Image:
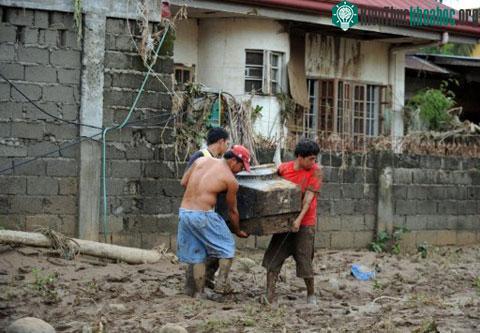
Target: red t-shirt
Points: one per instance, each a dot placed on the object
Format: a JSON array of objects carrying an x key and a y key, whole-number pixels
[{"x": 307, "y": 180}]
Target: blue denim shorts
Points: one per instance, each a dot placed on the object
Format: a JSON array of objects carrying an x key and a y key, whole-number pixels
[{"x": 203, "y": 234}]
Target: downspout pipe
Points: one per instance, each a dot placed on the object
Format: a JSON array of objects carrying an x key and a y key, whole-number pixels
[{"x": 397, "y": 116}]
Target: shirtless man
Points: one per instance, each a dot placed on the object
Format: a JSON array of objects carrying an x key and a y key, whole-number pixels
[{"x": 202, "y": 233}]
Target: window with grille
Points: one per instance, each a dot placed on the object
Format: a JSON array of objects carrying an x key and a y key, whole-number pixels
[
  {"x": 346, "y": 108},
  {"x": 372, "y": 112},
  {"x": 309, "y": 115},
  {"x": 325, "y": 121},
  {"x": 263, "y": 71}
]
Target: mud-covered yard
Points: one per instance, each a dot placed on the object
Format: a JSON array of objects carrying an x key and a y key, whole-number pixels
[{"x": 439, "y": 293}]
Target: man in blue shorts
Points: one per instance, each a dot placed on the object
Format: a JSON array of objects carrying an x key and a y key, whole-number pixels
[
  {"x": 202, "y": 233},
  {"x": 217, "y": 145}
]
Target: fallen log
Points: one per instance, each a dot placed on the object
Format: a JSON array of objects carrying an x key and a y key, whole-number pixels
[{"x": 127, "y": 254}]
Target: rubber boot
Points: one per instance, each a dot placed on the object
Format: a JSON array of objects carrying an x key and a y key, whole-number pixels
[
  {"x": 189, "y": 281},
  {"x": 211, "y": 269},
  {"x": 199, "y": 277},
  {"x": 223, "y": 285}
]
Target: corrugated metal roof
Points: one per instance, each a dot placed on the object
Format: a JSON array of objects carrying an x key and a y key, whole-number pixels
[{"x": 422, "y": 65}]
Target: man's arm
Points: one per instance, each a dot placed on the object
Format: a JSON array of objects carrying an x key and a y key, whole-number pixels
[
  {"x": 307, "y": 200},
  {"x": 231, "y": 199},
  {"x": 186, "y": 176}
]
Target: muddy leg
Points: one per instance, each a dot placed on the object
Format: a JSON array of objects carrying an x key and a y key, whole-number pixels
[
  {"x": 189, "y": 281},
  {"x": 309, "y": 283},
  {"x": 212, "y": 267},
  {"x": 199, "y": 277},
  {"x": 223, "y": 285},
  {"x": 271, "y": 281}
]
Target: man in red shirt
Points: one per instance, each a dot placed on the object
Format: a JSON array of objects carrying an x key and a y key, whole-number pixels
[{"x": 299, "y": 242}]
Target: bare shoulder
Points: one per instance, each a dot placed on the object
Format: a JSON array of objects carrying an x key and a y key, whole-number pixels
[{"x": 230, "y": 179}]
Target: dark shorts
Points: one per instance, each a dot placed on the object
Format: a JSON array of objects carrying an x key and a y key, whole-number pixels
[{"x": 300, "y": 245}]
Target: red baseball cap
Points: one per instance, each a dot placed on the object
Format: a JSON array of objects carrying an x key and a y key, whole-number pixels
[{"x": 242, "y": 153}]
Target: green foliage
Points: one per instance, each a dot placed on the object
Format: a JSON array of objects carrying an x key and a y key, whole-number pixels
[
  {"x": 380, "y": 244},
  {"x": 388, "y": 243},
  {"x": 378, "y": 286},
  {"x": 427, "y": 327},
  {"x": 423, "y": 249},
  {"x": 451, "y": 49},
  {"x": 476, "y": 284},
  {"x": 433, "y": 106},
  {"x": 256, "y": 113},
  {"x": 45, "y": 286}
]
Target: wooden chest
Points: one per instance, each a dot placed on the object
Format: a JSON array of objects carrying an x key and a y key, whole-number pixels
[{"x": 267, "y": 204}]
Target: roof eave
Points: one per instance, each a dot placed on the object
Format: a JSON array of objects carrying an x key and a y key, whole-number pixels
[{"x": 253, "y": 10}]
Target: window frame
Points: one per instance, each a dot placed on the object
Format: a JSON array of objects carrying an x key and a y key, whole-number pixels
[
  {"x": 183, "y": 68},
  {"x": 353, "y": 115},
  {"x": 267, "y": 82}
]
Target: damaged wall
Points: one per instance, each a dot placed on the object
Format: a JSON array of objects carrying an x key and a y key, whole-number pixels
[{"x": 349, "y": 59}]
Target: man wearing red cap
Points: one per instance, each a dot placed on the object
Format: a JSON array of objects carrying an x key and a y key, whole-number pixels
[{"x": 202, "y": 233}]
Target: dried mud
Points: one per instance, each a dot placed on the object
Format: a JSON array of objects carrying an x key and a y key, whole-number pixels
[{"x": 440, "y": 293}]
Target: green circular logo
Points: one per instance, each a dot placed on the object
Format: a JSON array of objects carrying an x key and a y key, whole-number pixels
[{"x": 344, "y": 15}]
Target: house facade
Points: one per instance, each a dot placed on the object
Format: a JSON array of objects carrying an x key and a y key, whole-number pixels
[
  {"x": 58, "y": 95},
  {"x": 351, "y": 83}
]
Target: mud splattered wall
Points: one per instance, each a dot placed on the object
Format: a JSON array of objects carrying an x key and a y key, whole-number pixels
[{"x": 349, "y": 59}]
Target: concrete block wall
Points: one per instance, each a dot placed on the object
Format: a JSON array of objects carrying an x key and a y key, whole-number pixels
[
  {"x": 38, "y": 53},
  {"x": 347, "y": 202},
  {"x": 143, "y": 187},
  {"x": 437, "y": 199}
]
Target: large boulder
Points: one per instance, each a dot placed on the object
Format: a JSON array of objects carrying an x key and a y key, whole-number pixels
[{"x": 30, "y": 325}]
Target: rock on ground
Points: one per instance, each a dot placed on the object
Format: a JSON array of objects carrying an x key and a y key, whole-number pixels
[{"x": 30, "y": 325}]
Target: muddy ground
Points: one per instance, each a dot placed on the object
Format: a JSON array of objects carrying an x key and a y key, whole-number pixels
[{"x": 440, "y": 293}]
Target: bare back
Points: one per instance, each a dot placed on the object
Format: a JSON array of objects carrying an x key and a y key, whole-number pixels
[{"x": 204, "y": 180}]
